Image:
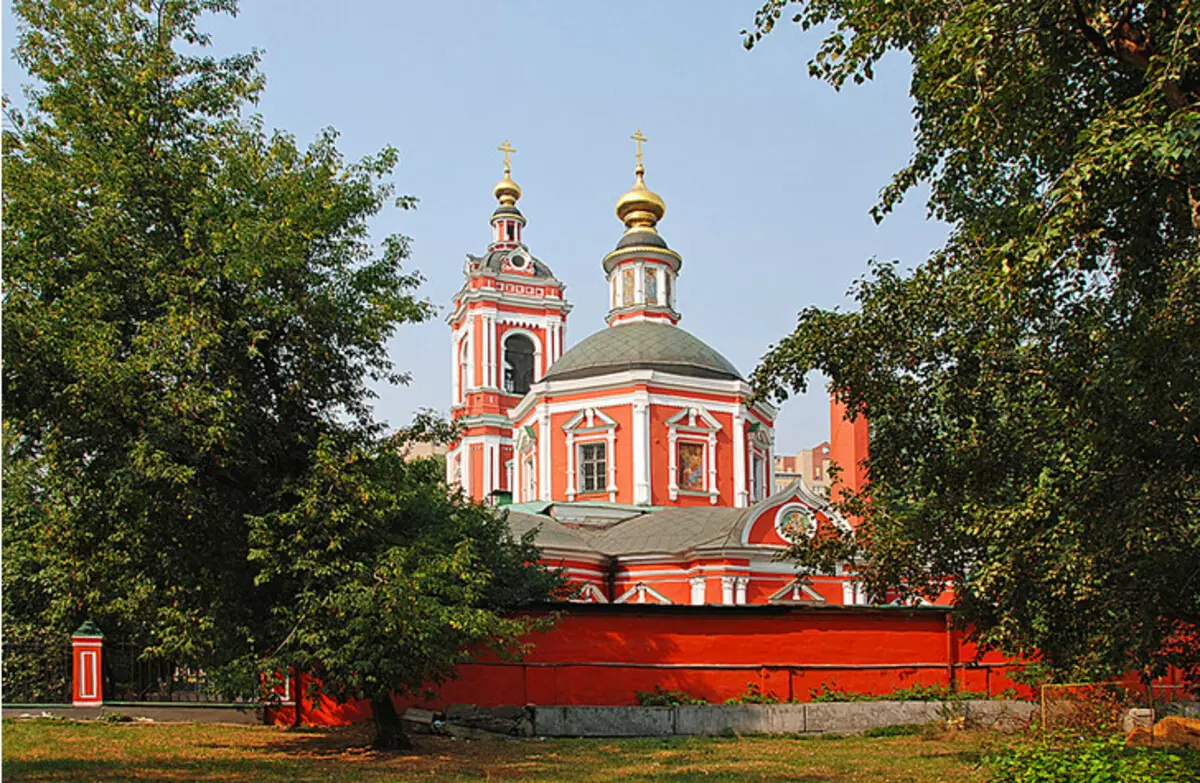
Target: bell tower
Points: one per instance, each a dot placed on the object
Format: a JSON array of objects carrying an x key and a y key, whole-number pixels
[
  {"x": 506, "y": 329},
  {"x": 642, "y": 270}
]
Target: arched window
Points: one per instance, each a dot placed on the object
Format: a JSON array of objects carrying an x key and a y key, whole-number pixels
[
  {"x": 518, "y": 364},
  {"x": 464, "y": 368}
]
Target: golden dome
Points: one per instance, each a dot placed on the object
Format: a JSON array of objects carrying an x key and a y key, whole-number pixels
[
  {"x": 507, "y": 191},
  {"x": 641, "y": 207}
]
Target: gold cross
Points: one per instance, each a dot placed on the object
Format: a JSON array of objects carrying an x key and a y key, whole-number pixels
[
  {"x": 639, "y": 138},
  {"x": 506, "y": 148}
]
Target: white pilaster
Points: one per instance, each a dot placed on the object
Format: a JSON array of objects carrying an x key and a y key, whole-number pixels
[
  {"x": 727, "y": 585},
  {"x": 543, "y": 448},
  {"x": 466, "y": 469},
  {"x": 641, "y": 450},
  {"x": 713, "y": 492},
  {"x": 740, "y": 590},
  {"x": 612, "y": 465},
  {"x": 698, "y": 584},
  {"x": 570, "y": 466},
  {"x": 740, "y": 495}
]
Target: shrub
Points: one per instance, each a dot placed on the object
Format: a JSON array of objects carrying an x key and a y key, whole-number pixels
[
  {"x": 1105, "y": 760},
  {"x": 754, "y": 695},
  {"x": 662, "y": 698},
  {"x": 827, "y": 692}
]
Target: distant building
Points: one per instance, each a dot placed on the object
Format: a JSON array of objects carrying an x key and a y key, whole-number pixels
[
  {"x": 809, "y": 465},
  {"x": 422, "y": 449}
]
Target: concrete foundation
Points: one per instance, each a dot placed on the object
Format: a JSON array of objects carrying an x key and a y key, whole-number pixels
[{"x": 809, "y": 718}]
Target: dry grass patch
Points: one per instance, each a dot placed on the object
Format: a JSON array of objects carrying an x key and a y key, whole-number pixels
[{"x": 47, "y": 750}]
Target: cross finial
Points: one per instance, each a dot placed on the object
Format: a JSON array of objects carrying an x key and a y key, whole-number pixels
[
  {"x": 507, "y": 149},
  {"x": 639, "y": 138}
]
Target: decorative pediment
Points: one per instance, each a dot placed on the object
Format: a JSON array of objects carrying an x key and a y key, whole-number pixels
[
  {"x": 796, "y": 593},
  {"x": 526, "y": 439},
  {"x": 589, "y": 419},
  {"x": 695, "y": 420},
  {"x": 642, "y": 593},
  {"x": 590, "y": 594},
  {"x": 796, "y": 500}
]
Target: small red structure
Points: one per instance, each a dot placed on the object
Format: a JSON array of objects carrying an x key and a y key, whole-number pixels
[{"x": 87, "y": 657}]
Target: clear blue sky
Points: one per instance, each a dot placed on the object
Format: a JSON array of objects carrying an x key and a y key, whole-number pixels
[{"x": 768, "y": 175}]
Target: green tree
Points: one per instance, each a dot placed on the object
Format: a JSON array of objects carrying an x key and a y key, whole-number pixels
[
  {"x": 387, "y": 581},
  {"x": 193, "y": 312},
  {"x": 1032, "y": 387}
]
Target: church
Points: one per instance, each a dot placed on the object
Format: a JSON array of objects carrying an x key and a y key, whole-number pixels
[{"x": 639, "y": 456}]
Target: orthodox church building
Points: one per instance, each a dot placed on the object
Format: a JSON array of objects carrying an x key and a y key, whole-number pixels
[{"x": 639, "y": 455}]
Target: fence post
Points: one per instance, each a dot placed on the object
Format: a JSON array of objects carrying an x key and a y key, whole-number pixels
[{"x": 87, "y": 648}]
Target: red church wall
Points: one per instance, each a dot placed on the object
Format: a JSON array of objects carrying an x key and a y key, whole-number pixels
[
  {"x": 602, "y": 654},
  {"x": 847, "y": 447}
]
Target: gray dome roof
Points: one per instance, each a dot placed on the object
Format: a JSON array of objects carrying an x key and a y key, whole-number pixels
[
  {"x": 641, "y": 239},
  {"x": 642, "y": 345}
]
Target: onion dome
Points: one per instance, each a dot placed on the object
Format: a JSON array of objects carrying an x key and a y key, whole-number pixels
[
  {"x": 641, "y": 208},
  {"x": 506, "y": 191}
]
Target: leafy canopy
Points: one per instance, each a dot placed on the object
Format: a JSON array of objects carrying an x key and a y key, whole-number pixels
[
  {"x": 193, "y": 312},
  {"x": 1032, "y": 387}
]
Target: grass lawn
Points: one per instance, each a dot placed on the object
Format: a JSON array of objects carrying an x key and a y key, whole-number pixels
[{"x": 62, "y": 750}]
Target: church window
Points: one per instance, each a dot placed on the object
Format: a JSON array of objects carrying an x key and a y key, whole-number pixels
[
  {"x": 651, "y": 285},
  {"x": 518, "y": 364},
  {"x": 795, "y": 521},
  {"x": 757, "y": 477},
  {"x": 592, "y": 467},
  {"x": 627, "y": 284},
  {"x": 691, "y": 466},
  {"x": 464, "y": 368}
]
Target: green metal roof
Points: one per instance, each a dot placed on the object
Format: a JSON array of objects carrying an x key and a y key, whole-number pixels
[{"x": 642, "y": 345}]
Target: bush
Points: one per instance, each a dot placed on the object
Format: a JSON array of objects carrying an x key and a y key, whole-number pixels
[
  {"x": 661, "y": 698},
  {"x": 827, "y": 692},
  {"x": 1105, "y": 760},
  {"x": 754, "y": 695}
]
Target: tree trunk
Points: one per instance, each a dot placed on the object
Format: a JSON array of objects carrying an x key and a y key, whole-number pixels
[{"x": 389, "y": 733}]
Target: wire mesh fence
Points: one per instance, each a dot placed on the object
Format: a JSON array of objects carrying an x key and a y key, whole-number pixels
[{"x": 1097, "y": 708}]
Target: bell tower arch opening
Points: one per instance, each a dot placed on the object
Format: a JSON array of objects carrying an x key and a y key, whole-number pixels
[{"x": 519, "y": 354}]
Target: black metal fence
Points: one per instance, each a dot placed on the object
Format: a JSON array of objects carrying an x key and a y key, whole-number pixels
[
  {"x": 36, "y": 672},
  {"x": 130, "y": 676}
]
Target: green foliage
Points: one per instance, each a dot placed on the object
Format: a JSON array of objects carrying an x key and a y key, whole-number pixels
[
  {"x": 386, "y": 580},
  {"x": 897, "y": 730},
  {"x": 754, "y": 695},
  {"x": 829, "y": 692},
  {"x": 663, "y": 698},
  {"x": 1032, "y": 386},
  {"x": 1097, "y": 760},
  {"x": 193, "y": 313}
]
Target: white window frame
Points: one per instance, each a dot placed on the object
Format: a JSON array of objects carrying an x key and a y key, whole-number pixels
[
  {"x": 580, "y": 448},
  {"x": 587, "y": 426},
  {"x": 693, "y": 425},
  {"x": 466, "y": 368}
]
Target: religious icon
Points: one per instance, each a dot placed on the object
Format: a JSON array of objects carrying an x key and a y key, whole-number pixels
[
  {"x": 651, "y": 285},
  {"x": 691, "y": 466},
  {"x": 627, "y": 283}
]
